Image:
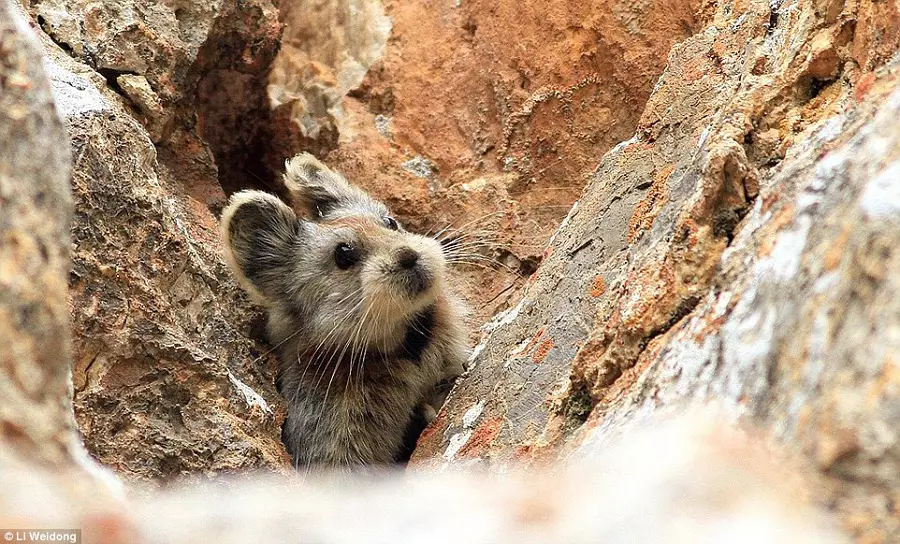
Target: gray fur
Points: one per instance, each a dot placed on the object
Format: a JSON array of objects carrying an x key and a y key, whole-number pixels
[{"x": 360, "y": 350}]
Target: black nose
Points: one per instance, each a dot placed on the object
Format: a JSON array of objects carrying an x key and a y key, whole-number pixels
[{"x": 407, "y": 258}]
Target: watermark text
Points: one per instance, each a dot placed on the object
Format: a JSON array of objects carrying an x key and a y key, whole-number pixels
[{"x": 28, "y": 536}]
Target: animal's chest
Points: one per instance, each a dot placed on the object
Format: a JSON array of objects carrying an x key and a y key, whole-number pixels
[
  {"x": 395, "y": 389},
  {"x": 372, "y": 421}
]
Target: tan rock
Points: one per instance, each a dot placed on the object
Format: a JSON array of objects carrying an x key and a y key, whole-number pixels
[
  {"x": 758, "y": 276},
  {"x": 167, "y": 379},
  {"x": 36, "y": 420},
  {"x": 156, "y": 120}
]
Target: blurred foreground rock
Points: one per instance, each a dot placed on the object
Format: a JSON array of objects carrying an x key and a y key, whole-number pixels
[
  {"x": 35, "y": 213},
  {"x": 710, "y": 486},
  {"x": 37, "y": 427}
]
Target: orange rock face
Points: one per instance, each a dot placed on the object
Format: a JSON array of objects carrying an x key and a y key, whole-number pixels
[{"x": 490, "y": 116}]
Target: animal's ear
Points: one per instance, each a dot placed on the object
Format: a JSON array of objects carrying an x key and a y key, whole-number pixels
[
  {"x": 317, "y": 190},
  {"x": 259, "y": 233}
]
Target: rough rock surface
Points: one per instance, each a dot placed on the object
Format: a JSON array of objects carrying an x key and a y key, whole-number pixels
[
  {"x": 326, "y": 51},
  {"x": 152, "y": 373},
  {"x": 738, "y": 249},
  {"x": 737, "y": 246},
  {"x": 481, "y": 145},
  {"x": 192, "y": 73},
  {"x": 166, "y": 378},
  {"x": 150, "y": 51}
]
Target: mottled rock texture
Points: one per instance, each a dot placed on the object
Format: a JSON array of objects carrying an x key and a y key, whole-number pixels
[
  {"x": 154, "y": 53},
  {"x": 740, "y": 248},
  {"x": 167, "y": 380}
]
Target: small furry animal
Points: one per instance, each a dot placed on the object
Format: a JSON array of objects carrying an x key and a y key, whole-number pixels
[{"x": 367, "y": 328}]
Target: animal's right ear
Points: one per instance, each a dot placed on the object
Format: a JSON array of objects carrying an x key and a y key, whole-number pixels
[{"x": 259, "y": 231}]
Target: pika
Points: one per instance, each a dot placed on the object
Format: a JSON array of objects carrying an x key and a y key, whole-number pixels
[{"x": 367, "y": 328}]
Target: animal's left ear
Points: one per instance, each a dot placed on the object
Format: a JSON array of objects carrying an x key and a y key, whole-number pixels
[{"x": 319, "y": 191}]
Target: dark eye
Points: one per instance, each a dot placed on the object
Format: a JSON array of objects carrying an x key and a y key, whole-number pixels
[
  {"x": 345, "y": 256},
  {"x": 391, "y": 223}
]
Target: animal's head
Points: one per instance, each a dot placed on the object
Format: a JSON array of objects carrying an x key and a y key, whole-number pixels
[{"x": 344, "y": 265}]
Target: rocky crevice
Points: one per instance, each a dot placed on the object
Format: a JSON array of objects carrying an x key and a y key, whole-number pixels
[
  {"x": 190, "y": 103},
  {"x": 733, "y": 245},
  {"x": 229, "y": 111}
]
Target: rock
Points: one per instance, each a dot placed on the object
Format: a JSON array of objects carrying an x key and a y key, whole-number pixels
[
  {"x": 198, "y": 79},
  {"x": 711, "y": 481},
  {"x": 524, "y": 98},
  {"x": 194, "y": 74},
  {"x": 138, "y": 90},
  {"x": 159, "y": 41},
  {"x": 37, "y": 426},
  {"x": 461, "y": 91},
  {"x": 226, "y": 104},
  {"x": 713, "y": 485},
  {"x": 158, "y": 393},
  {"x": 36, "y": 420},
  {"x": 325, "y": 53},
  {"x": 734, "y": 245},
  {"x": 735, "y": 250},
  {"x": 167, "y": 378}
]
